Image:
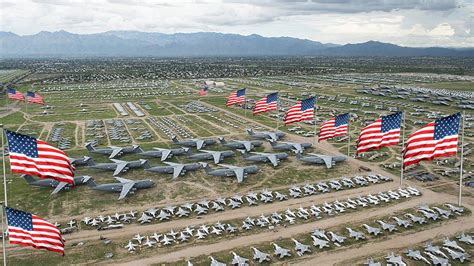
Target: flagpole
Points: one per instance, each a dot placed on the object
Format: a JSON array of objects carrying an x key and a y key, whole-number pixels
[
  {"x": 314, "y": 116},
  {"x": 5, "y": 196},
  {"x": 348, "y": 135},
  {"x": 278, "y": 114},
  {"x": 403, "y": 146},
  {"x": 462, "y": 158}
]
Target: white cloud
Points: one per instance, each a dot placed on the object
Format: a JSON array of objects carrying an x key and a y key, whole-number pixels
[{"x": 406, "y": 22}]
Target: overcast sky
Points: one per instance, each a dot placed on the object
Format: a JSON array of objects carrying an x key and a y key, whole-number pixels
[{"x": 404, "y": 22}]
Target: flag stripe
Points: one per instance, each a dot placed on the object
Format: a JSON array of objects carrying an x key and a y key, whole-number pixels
[{"x": 383, "y": 132}]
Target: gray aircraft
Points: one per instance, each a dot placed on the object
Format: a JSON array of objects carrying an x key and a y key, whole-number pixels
[
  {"x": 437, "y": 260},
  {"x": 164, "y": 154},
  {"x": 267, "y": 135},
  {"x": 238, "y": 260},
  {"x": 217, "y": 156},
  {"x": 313, "y": 158},
  {"x": 260, "y": 256},
  {"x": 416, "y": 255},
  {"x": 281, "y": 252},
  {"x": 273, "y": 158},
  {"x": 301, "y": 248},
  {"x": 247, "y": 145},
  {"x": 119, "y": 166},
  {"x": 395, "y": 260},
  {"x": 176, "y": 169},
  {"x": 113, "y": 151},
  {"x": 84, "y": 161},
  {"x": 290, "y": 146},
  {"x": 125, "y": 186},
  {"x": 357, "y": 235},
  {"x": 58, "y": 186},
  {"x": 240, "y": 172},
  {"x": 198, "y": 143}
]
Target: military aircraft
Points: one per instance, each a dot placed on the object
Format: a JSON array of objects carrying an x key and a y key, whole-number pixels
[
  {"x": 387, "y": 226},
  {"x": 240, "y": 172},
  {"x": 119, "y": 166},
  {"x": 372, "y": 230},
  {"x": 260, "y": 256},
  {"x": 215, "y": 262},
  {"x": 164, "y": 154},
  {"x": 371, "y": 262},
  {"x": 357, "y": 235},
  {"x": 267, "y": 135},
  {"x": 437, "y": 260},
  {"x": 313, "y": 158},
  {"x": 281, "y": 252},
  {"x": 452, "y": 244},
  {"x": 301, "y": 248},
  {"x": 198, "y": 143},
  {"x": 416, "y": 255},
  {"x": 76, "y": 162},
  {"x": 295, "y": 147},
  {"x": 217, "y": 156},
  {"x": 238, "y": 260},
  {"x": 320, "y": 243},
  {"x": 273, "y": 158},
  {"x": 131, "y": 246},
  {"x": 395, "y": 260},
  {"x": 241, "y": 144},
  {"x": 176, "y": 169},
  {"x": 457, "y": 255},
  {"x": 125, "y": 186},
  {"x": 113, "y": 151},
  {"x": 58, "y": 186}
]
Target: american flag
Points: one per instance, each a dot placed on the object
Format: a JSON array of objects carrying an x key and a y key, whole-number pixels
[
  {"x": 27, "y": 229},
  {"x": 203, "y": 91},
  {"x": 334, "y": 127},
  {"x": 302, "y": 110},
  {"x": 32, "y": 156},
  {"x": 383, "y": 132},
  {"x": 32, "y": 97},
  {"x": 236, "y": 97},
  {"x": 267, "y": 103},
  {"x": 436, "y": 139},
  {"x": 15, "y": 95}
]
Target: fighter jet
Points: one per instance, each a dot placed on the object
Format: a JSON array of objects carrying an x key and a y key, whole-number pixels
[
  {"x": 320, "y": 243},
  {"x": 273, "y": 158},
  {"x": 295, "y": 147},
  {"x": 372, "y": 230},
  {"x": 437, "y": 260},
  {"x": 281, "y": 252},
  {"x": 76, "y": 162},
  {"x": 163, "y": 215},
  {"x": 416, "y": 255},
  {"x": 300, "y": 248},
  {"x": 387, "y": 226},
  {"x": 125, "y": 186},
  {"x": 402, "y": 222},
  {"x": 238, "y": 260},
  {"x": 457, "y": 255},
  {"x": 435, "y": 250},
  {"x": 198, "y": 143},
  {"x": 357, "y": 235},
  {"x": 119, "y": 166},
  {"x": 162, "y": 153},
  {"x": 131, "y": 246},
  {"x": 112, "y": 151},
  {"x": 138, "y": 238},
  {"x": 240, "y": 144},
  {"x": 260, "y": 256},
  {"x": 336, "y": 238},
  {"x": 58, "y": 186},
  {"x": 229, "y": 170},
  {"x": 395, "y": 260},
  {"x": 466, "y": 239},
  {"x": 371, "y": 262},
  {"x": 452, "y": 244},
  {"x": 215, "y": 262},
  {"x": 149, "y": 243},
  {"x": 313, "y": 158},
  {"x": 176, "y": 169},
  {"x": 416, "y": 219},
  {"x": 455, "y": 209},
  {"x": 217, "y": 156},
  {"x": 266, "y": 135},
  {"x": 145, "y": 218},
  {"x": 166, "y": 240}
]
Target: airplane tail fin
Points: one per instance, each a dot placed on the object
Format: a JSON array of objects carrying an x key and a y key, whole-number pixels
[
  {"x": 272, "y": 142},
  {"x": 205, "y": 166},
  {"x": 299, "y": 155},
  {"x": 137, "y": 149},
  {"x": 189, "y": 152},
  {"x": 91, "y": 183},
  {"x": 174, "y": 138},
  {"x": 89, "y": 161},
  {"x": 145, "y": 164},
  {"x": 222, "y": 140},
  {"x": 29, "y": 178},
  {"x": 250, "y": 131},
  {"x": 243, "y": 152},
  {"x": 89, "y": 146}
]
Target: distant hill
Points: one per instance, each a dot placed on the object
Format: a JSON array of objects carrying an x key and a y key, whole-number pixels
[{"x": 134, "y": 43}]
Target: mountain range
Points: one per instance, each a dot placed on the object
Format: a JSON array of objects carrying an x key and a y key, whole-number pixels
[{"x": 135, "y": 43}]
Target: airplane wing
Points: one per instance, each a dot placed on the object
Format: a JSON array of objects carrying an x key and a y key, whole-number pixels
[
  {"x": 239, "y": 173},
  {"x": 164, "y": 154},
  {"x": 327, "y": 160},
  {"x": 247, "y": 145},
  {"x": 177, "y": 169},
  {"x": 122, "y": 180},
  {"x": 217, "y": 157},
  {"x": 199, "y": 143},
  {"x": 298, "y": 147},
  {"x": 115, "y": 151},
  {"x": 120, "y": 168},
  {"x": 125, "y": 189},
  {"x": 58, "y": 188},
  {"x": 273, "y": 159}
]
